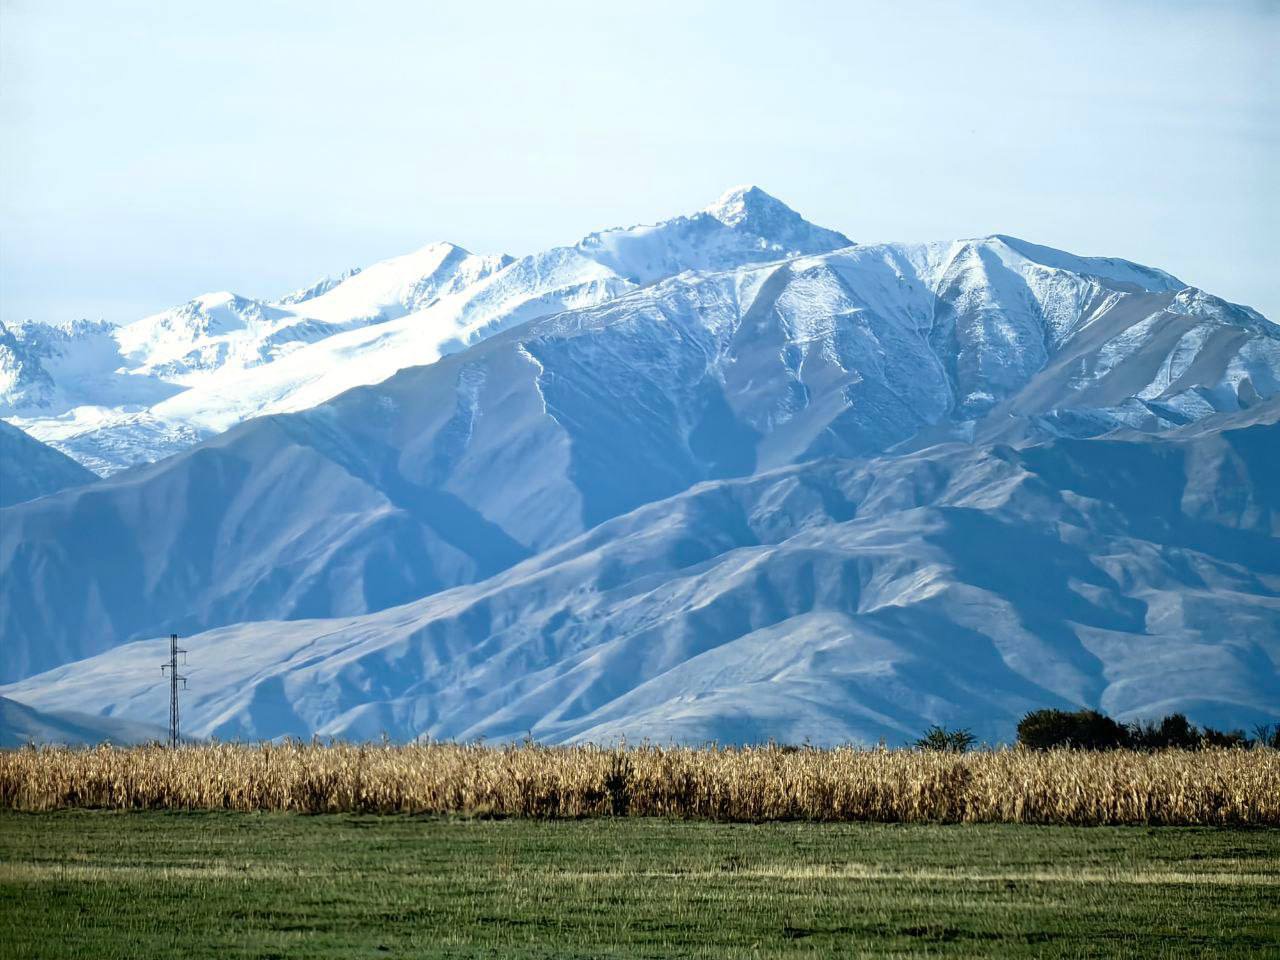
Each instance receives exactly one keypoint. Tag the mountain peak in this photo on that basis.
(752, 210)
(744, 226)
(738, 204)
(216, 298)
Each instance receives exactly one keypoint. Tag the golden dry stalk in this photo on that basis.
(1210, 786)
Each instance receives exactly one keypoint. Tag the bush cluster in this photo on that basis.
(949, 741)
(1091, 730)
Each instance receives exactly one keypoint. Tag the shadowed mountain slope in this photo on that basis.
(29, 469)
(21, 725)
(832, 600)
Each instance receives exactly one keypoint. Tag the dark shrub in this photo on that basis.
(1084, 729)
(1221, 738)
(1172, 731)
(950, 741)
(1267, 735)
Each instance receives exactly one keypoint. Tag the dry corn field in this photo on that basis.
(1211, 786)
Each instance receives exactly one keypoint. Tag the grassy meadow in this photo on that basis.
(222, 885)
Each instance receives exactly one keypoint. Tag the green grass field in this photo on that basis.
(103, 885)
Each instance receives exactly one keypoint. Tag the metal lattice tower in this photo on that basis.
(175, 731)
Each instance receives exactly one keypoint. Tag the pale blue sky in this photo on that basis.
(153, 151)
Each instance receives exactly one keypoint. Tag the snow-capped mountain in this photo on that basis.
(828, 601)
(99, 392)
(161, 384)
(29, 469)
(450, 473)
(45, 366)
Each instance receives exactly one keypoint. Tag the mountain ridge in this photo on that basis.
(195, 370)
(448, 473)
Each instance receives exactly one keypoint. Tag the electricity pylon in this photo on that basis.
(175, 732)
